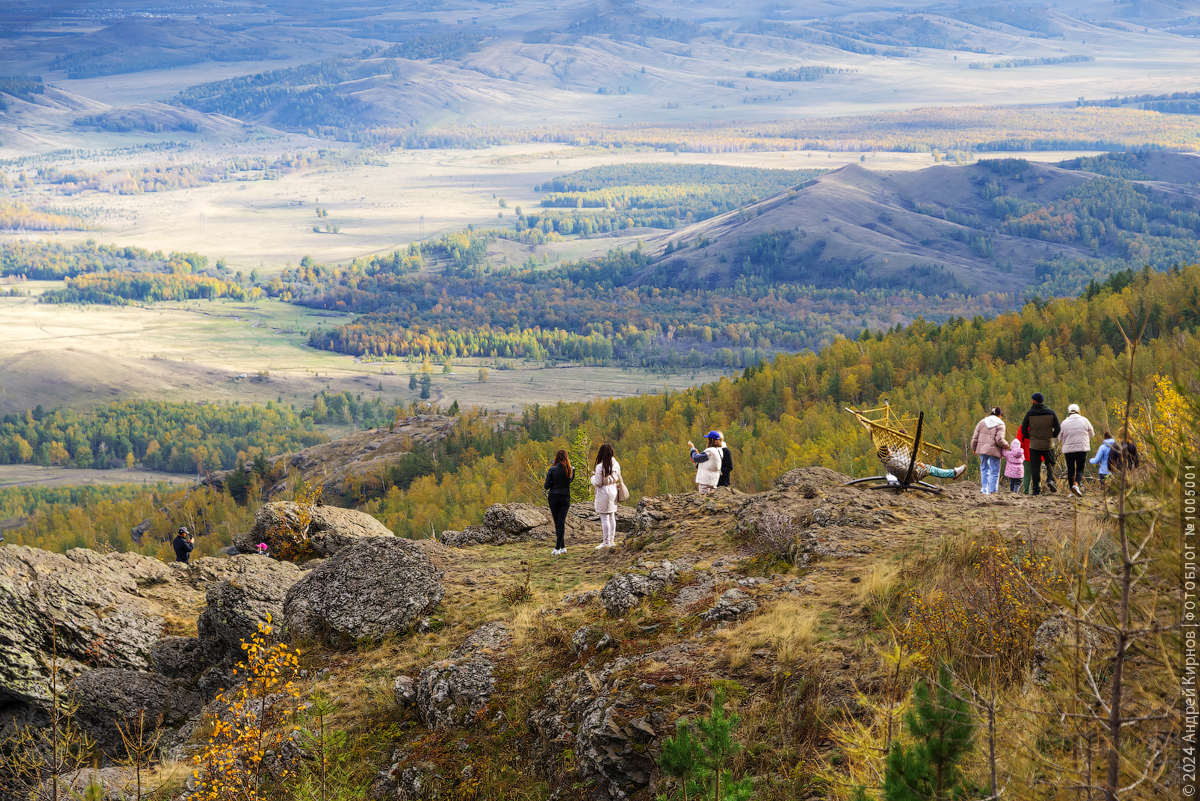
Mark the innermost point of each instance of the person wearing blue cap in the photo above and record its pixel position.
(708, 464)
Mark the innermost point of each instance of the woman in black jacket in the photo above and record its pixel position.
(558, 494)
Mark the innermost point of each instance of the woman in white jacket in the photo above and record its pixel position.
(606, 479)
(708, 464)
(1076, 436)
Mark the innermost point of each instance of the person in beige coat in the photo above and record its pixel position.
(989, 444)
(1076, 437)
(708, 464)
(606, 479)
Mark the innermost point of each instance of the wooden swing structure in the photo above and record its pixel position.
(897, 449)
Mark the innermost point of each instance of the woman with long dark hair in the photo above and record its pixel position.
(558, 495)
(606, 479)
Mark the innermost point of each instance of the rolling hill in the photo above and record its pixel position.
(971, 229)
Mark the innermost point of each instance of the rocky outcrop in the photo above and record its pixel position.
(236, 606)
(179, 658)
(110, 698)
(329, 530)
(624, 591)
(374, 587)
(101, 607)
(504, 523)
(586, 513)
(454, 692)
(733, 604)
(600, 722)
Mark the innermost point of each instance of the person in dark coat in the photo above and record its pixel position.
(726, 461)
(1041, 428)
(558, 495)
(183, 545)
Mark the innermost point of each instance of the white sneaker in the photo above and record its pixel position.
(1075, 489)
(601, 545)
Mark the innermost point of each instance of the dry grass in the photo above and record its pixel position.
(788, 627)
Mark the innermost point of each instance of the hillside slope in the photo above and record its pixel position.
(937, 230)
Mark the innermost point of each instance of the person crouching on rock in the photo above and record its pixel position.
(558, 495)
(708, 464)
(183, 545)
(606, 480)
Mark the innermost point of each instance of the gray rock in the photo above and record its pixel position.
(586, 513)
(238, 605)
(1054, 635)
(581, 639)
(330, 529)
(374, 587)
(733, 604)
(405, 691)
(108, 698)
(179, 658)
(453, 693)
(101, 605)
(114, 783)
(624, 591)
(509, 522)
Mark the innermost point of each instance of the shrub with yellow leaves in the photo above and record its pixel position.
(993, 614)
(1164, 419)
(251, 723)
(288, 538)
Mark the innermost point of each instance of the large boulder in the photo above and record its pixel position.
(509, 522)
(624, 591)
(109, 699)
(374, 587)
(330, 528)
(180, 658)
(238, 605)
(104, 610)
(454, 692)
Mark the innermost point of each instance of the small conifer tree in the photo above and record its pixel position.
(931, 767)
(700, 762)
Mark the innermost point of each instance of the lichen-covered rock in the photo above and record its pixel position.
(586, 513)
(178, 658)
(331, 528)
(598, 721)
(374, 587)
(102, 607)
(734, 604)
(510, 522)
(109, 698)
(1055, 634)
(404, 691)
(624, 591)
(454, 692)
(238, 605)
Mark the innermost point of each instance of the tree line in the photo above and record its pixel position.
(158, 435)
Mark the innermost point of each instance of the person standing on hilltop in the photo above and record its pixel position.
(708, 464)
(1014, 465)
(183, 544)
(726, 460)
(607, 481)
(989, 444)
(1103, 453)
(558, 495)
(1041, 427)
(1076, 437)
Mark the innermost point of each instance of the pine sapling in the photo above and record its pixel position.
(931, 768)
(701, 763)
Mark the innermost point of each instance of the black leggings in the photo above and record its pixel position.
(559, 506)
(1075, 466)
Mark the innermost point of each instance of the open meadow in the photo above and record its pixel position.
(81, 357)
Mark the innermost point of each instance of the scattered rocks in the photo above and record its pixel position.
(733, 604)
(624, 591)
(454, 692)
(374, 587)
(238, 605)
(693, 594)
(330, 529)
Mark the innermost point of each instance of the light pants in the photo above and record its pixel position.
(608, 527)
(989, 474)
